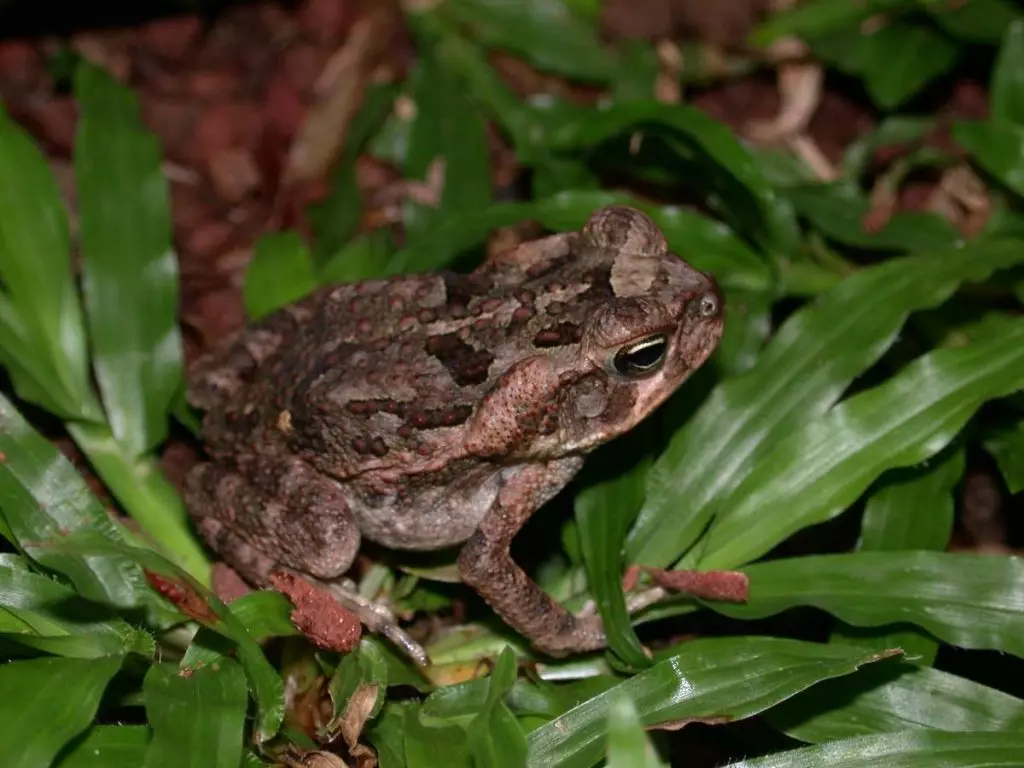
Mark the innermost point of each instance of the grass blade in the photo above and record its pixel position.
(821, 467)
(973, 601)
(909, 749)
(130, 277)
(43, 499)
(884, 698)
(35, 270)
(809, 363)
(706, 679)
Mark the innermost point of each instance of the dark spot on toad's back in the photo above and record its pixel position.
(466, 365)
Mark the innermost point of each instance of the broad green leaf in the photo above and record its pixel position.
(729, 175)
(973, 601)
(205, 607)
(823, 466)
(427, 746)
(908, 749)
(814, 18)
(605, 508)
(59, 621)
(839, 211)
(38, 290)
(895, 697)
(980, 21)
(543, 32)
(387, 733)
(367, 256)
(49, 702)
(1007, 447)
(108, 746)
(494, 736)
(628, 744)
(705, 679)
(1008, 77)
(810, 361)
(911, 509)
(365, 666)
(130, 273)
(447, 147)
(281, 272)
(196, 718)
(43, 498)
(898, 60)
(997, 146)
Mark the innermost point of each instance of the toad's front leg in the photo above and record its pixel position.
(485, 564)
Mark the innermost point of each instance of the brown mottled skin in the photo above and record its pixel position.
(425, 411)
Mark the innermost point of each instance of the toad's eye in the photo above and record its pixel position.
(641, 357)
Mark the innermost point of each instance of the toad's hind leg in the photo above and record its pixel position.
(273, 516)
(286, 518)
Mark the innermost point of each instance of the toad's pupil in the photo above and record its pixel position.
(642, 357)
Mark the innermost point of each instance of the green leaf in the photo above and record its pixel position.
(146, 494)
(810, 361)
(365, 666)
(428, 746)
(1007, 96)
(893, 130)
(59, 621)
(196, 718)
(605, 508)
(839, 211)
(468, 63)
(997, 146)
(38, 716)
(43, 498)
(335, 220)
(822, 466)
(973, 601)
(387, 733)
(628, 744)
(911, 509)
(42, 336)
(366, 257)
(981, 21)
(895, 697)
(705, 679)
(108, 746)
(898, 60)
(1007, 447)
(814, 18)
(281, 272)
(204, 607)
(543, 32)
(130, 274)
(494, 736)
(447, 144)
(705, 150)
(914, 749)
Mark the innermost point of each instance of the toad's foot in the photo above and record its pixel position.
(376, 617)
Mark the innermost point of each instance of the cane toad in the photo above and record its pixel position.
(425, 411)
